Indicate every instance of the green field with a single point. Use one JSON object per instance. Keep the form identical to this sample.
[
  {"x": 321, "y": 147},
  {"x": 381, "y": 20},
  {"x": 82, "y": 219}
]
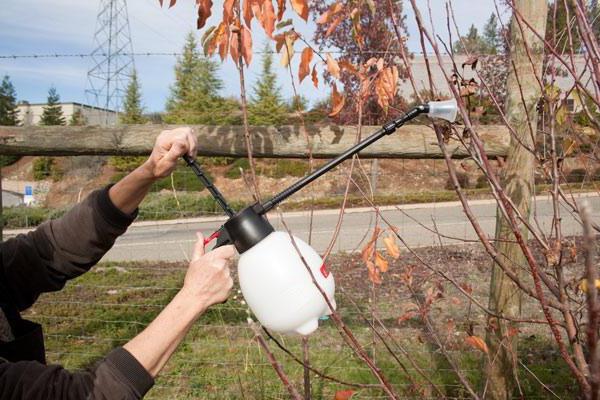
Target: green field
[{"x": 220, "y": 359}]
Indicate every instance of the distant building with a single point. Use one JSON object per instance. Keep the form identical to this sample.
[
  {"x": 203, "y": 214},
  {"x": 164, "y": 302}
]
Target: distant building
[
  {"x": 30, "y": 114},
  {"x": 564, "y": 81}
]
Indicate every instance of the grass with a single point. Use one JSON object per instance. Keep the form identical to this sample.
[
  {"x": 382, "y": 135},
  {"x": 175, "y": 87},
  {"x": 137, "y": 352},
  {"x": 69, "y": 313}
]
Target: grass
[{"x": 219, "y": 359}]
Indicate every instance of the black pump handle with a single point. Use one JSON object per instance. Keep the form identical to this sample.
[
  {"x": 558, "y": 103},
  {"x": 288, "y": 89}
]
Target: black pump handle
[{"x": 209, "y": 185}]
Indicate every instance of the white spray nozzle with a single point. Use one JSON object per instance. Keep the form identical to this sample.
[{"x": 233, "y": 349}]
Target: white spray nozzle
[{"x": 446, "y": 109}]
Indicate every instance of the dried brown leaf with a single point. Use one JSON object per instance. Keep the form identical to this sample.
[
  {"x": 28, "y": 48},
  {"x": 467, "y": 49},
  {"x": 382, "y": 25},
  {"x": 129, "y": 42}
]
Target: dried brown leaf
[
  {"x": 305, "y": 59},
  {"x": 204, "y": 12},
  {"x": 477, "y": 342},
  {"x": 315, "y": 77},
  {"x": 247, "y": 45},
  {"x": 381, "y": 262},
  {"x": 391, "y": 247},
  {"x": 301, "y": 8},
  {"x": 333, "y": 66}
]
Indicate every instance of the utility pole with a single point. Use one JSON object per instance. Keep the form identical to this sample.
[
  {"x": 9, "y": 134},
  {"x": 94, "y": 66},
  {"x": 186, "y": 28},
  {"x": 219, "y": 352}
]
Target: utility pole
[{"x": 112, "y": 57}]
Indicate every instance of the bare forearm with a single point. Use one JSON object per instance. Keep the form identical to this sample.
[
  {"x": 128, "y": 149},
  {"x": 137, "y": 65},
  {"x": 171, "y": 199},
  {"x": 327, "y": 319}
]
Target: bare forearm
[
  {"x": 155, "y": 345},
  {"x": 128, "y": 193}
]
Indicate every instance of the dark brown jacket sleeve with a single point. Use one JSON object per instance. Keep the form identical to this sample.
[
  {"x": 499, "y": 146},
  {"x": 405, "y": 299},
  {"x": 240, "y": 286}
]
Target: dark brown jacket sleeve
[
  {"x": 59, "y": 250},
  {"x": 119, "y": 376}
]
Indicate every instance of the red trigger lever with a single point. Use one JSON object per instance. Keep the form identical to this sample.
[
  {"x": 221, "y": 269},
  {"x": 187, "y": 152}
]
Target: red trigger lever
[{"x": 212, "y": 237}]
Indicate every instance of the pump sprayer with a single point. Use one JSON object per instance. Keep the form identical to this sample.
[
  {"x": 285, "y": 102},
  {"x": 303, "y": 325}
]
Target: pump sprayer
[{"x": 273, "y": 277}]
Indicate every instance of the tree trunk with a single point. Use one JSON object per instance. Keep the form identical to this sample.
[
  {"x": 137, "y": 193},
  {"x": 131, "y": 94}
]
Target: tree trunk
[{"x": 523, "y": 94}]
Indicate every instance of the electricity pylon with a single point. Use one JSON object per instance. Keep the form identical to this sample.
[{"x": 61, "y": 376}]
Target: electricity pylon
[{"x": 112, "y": 57}]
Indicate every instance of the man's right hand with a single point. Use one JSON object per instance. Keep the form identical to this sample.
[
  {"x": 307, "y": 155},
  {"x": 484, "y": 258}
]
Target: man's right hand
[{"x": 208, "y": 279}]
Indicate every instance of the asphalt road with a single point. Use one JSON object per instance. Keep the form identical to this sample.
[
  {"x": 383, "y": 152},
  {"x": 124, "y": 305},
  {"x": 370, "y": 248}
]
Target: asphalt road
[{"x": 172, "y": 240}]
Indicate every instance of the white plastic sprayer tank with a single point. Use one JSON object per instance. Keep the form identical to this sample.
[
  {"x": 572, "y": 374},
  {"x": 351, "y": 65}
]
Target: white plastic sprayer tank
[{"x": 278, "y": 287}]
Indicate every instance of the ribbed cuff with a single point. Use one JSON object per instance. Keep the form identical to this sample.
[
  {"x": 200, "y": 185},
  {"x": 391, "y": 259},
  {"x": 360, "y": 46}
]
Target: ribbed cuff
[
  {"x": 131, "y": 369},
  {"x": 111, "y": 213}
]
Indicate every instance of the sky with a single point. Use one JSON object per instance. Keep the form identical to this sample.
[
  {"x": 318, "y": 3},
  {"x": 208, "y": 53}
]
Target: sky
[{"x": 68, "y": 26}]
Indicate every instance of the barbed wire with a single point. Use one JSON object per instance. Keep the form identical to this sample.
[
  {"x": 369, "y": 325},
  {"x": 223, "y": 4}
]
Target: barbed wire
[{"x": 176, "y": 53}]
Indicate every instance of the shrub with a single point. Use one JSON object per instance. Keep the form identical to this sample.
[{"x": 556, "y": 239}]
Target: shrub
[
  {"x": 126, "y": 164},
  {"x": 184, "y": 179},
  {"x": 481, "y": 183},
  {"x": 218, "y": 161},
  {"x": 285, "y": 168},
  {"x": 42, "y": 168},
  {"x": 463, "y": 181},
  {"x": 165, "y": 206},
  {"x": 5, "y": 161},
  {"x": 576, "y": 175},
  {"x": 234, "y": 170},
  {"x": 24, "y": 217}
]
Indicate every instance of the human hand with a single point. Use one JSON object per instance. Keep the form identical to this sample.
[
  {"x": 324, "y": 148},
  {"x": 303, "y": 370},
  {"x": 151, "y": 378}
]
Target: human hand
[
  {"x": 168, "y": 147},
  {"x": 208, "y": 279}
]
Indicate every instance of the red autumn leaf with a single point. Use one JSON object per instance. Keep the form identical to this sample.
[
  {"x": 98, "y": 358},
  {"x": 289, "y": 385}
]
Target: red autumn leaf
[
  {"x": 256, "y": 9},
  {"x": 267, "y": 19},
  {"x": 406, "y": 316},
  {"x": 386, "y": 86},
  {"x": 374, "y": 275},
  {"x": 331, "y": 11},
  {"x": 247, "y": 45},
  {"x": 305, "y": 59},
  {"x": 247, "y": 12},
  {"x": 472, "y": 61},
  {"x": 212, "y": 40},
  {"x": 224, "y": 45},
  {"x": 391, "y": 247},
  {"x": 348, "y": 66},
  {"x": 315, "y": 78},
  {"x": 171, "y": 4},
  {"x": 333, "y": 66},
  {"x": 280, "y": 9},
  {"x": 228, "y": 11},
  {"x": 477, "y": 342},
  {"x": 343, "y": 394},
  {"x": 381, "y": 262},
  {"x": 234, "y": 47},
  {"x": 334, "y": 25},
  {"x": 204, "y": 11},
  {"x": 337, "y": 102},
  {"x": 301, "y": 8}
]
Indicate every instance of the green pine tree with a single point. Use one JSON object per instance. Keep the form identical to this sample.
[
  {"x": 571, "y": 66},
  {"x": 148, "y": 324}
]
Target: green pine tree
[
  {"x": 195, "y": 97},
  {"x": 132, "y": 114},
  {"x": 8, "y": 113},
  {"x": 8, "y": 103},
  {"x": 132, "y": 105},
  {"x": 266, "y": 104},
  {"x": 78, "y": 119},
  {"x": 490, "y": 35},
  {"x": 52, "y": 113},
  {"x": 472, "y": 43}
]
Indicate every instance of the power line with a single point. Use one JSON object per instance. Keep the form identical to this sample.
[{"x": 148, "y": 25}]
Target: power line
[{"x": 171, "y": 54}]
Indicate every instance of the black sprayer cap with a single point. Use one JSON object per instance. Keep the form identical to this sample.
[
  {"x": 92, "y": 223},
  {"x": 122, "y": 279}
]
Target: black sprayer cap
[{"x": 247, "y": 228}]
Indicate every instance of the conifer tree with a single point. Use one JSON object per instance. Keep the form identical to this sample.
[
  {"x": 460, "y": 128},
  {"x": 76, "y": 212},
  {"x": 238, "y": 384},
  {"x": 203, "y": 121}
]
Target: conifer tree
[
  {"x": 491, "y": 36},
  {"x": 78, "y": 119},
  {"x": 132, "y": 105},
  {"x": 266, "y": 104},
  {"x": 8, "y": 103},
  {"x": 8, "y": 113},
  {"x": 52, "y": 113},
  {"x": 195, "y": 97},
  {"x": 472, "y": 43}
]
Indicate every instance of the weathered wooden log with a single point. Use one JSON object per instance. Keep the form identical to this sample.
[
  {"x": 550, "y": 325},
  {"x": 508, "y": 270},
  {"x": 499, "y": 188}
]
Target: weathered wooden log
[{"x": 412, "y": 141}]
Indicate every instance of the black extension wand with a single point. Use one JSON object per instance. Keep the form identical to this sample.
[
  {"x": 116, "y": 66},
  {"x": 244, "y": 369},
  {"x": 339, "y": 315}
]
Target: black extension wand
[{"x": 247, "y": 227}]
